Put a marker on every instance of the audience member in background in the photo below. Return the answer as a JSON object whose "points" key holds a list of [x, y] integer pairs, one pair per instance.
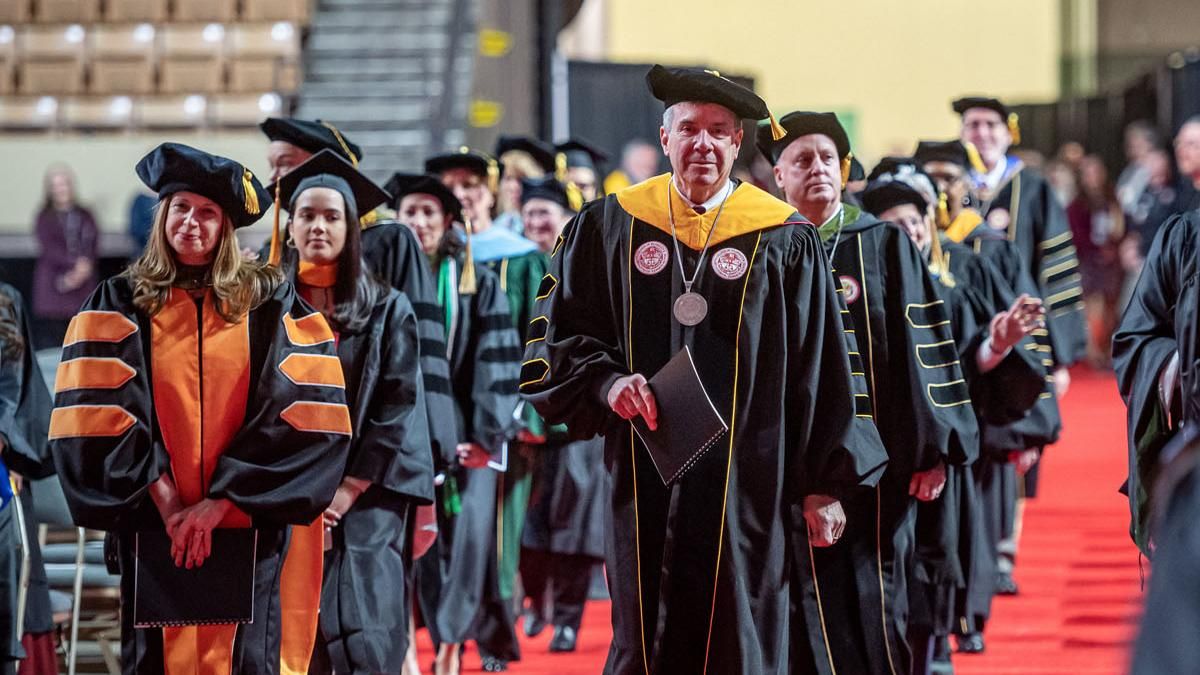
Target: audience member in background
{"points": [[639, 161], [1141, 139], [141, 219], [1097, 226], [1071, 153], [1063, 181], [66, 268], [1155, 204], [1187, 159]]}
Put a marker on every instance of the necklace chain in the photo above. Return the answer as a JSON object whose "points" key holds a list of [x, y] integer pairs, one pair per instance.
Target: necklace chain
{"points": [[687, 283]]}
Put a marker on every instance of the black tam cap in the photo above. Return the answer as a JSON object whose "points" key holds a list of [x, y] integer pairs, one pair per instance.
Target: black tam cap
{"points": [[676, 85], [962, 105], [542, 152], [403, 184], [899, 182], [802, 123], [475, 161], [174, 167], [582, 154], [311, 136], [953, 152], [329, 170], [547, 188]]}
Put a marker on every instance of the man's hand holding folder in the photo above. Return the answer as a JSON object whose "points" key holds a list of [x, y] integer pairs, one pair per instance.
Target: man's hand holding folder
{"points": [[630, 396]]}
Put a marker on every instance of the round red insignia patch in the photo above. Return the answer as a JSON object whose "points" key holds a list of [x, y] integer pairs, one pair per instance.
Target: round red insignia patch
{"points": [[850, 288], [729, 263], [999, 219], [651, 257]]}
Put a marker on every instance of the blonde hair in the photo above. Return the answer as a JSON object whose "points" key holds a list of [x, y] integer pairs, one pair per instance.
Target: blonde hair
{"points": [[239, 284], [520, 164]]}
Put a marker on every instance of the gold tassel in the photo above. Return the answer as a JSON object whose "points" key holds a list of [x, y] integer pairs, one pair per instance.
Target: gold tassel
{"points": [[1014, 127], [846, 168], [777, 130], [560, 167], [466, 283], [939, 263], [368, 220], [342, 142], [273, 259], [574, 197], [943, 211], [493, 175], [974, 157], [250, 196]]}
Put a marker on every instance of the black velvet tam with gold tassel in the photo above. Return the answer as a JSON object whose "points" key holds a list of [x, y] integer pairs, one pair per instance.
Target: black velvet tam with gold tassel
{"points": [[175, 167]]}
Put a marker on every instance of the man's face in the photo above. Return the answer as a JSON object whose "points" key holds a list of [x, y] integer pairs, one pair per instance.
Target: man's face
{"points": [[471, 189], [1187, 150], [809, 171], [988, 132], [283, 157], [584, 178], [702, 142], [544, 221]]}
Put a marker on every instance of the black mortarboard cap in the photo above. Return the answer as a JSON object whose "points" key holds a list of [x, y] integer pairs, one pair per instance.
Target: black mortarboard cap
{"points": [[328, 169], [542, 152], [548, 188], [581, 153], [311, 136], [952, 151], [897, 180], [479, 163], [174, 167], [675, 85], [803, 123], [965, 103], [400, 185]]}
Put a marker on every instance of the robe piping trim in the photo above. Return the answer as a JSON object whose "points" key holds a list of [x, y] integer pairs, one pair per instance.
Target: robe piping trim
{"points": [[547, 292], [887, 642], [812, 563], [932, 346], [637, 539], [930, 388], [533, 321], [908, 311], [1054, 241], [737, 359], [541, 379], [504, 275], [1013, 205]]}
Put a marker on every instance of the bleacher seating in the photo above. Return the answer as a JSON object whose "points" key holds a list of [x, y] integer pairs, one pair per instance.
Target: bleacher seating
{"points": [[165, 63]]}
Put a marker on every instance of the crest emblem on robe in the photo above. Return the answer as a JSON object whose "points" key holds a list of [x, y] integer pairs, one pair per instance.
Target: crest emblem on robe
{"points": [[851, 290], [651, 257], [999, 219], [730, 263]]}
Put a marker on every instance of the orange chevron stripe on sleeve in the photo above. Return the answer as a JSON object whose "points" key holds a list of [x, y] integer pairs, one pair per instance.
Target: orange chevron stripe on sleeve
{"points": [[99, 326], [87, 421], [328, 418], [92, 373], [314, 369], [307, 330]]}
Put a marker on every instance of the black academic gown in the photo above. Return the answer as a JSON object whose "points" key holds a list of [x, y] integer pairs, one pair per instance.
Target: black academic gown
{"points": [[281, 467], [924, 414], [1162, 318], [394, 255], [24, 416], [1025, 210], [699, 571], [458, 579], [952, 551], [365, 595]]}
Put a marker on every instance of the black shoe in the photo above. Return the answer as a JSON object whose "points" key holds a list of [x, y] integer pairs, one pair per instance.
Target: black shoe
{"points": [[941, 656], [563, 640], [533, 622], [1005, 584], [971, 643], [492, 664]]}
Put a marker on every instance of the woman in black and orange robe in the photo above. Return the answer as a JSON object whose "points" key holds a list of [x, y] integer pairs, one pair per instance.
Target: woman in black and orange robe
{"points": [[193, 395], [365, 597]]}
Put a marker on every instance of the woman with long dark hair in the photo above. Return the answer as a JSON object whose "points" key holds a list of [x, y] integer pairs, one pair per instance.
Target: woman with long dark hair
{"points": [[194, 393], [364, 593]]}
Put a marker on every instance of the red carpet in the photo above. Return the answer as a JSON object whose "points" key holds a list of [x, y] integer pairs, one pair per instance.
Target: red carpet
{"points": [[1077, 569]]}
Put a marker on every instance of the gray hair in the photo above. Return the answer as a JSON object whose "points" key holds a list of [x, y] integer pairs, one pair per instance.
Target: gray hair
{"points": [[668, 117]]}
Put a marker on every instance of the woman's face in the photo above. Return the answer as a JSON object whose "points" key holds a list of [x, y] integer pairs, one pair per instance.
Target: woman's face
{"points": [[61, 190], [472, 190], [510, 187], [318, 225], [423, 214], [193, 227]]}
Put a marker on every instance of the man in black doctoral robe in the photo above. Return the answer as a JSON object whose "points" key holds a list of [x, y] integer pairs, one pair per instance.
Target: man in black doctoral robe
{"points": [[1155, 351], [923, 408], [699, 569]]}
